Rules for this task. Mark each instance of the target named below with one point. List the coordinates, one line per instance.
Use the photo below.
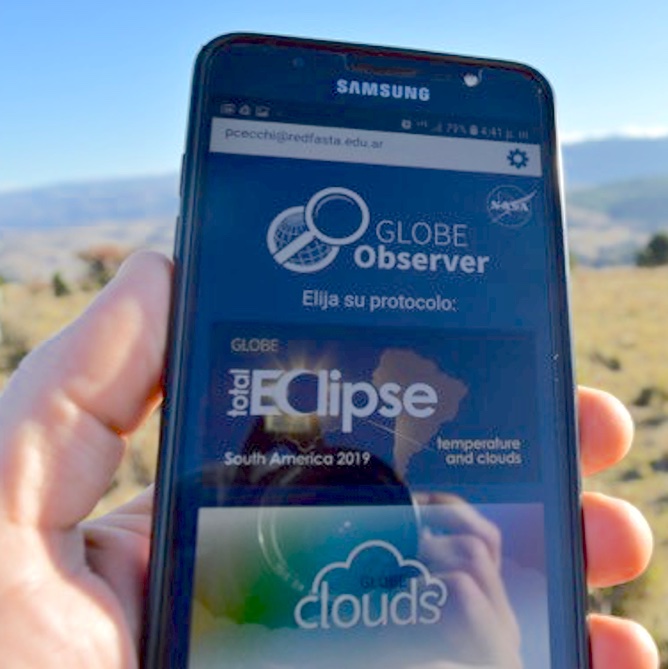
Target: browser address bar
(372, 147)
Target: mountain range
(615, 159)
(617, 197)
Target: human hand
(464, 549)
(71, 590)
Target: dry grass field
(621, 340)
(620, 323)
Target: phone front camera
(471, 79)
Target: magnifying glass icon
(317, 207)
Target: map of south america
(411, 436)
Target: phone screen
(372, 446)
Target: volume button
(178, 238)
(183, 171)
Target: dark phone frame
(163, 593)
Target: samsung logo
(376, 90)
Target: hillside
(604, 161)
(86, 203)
(617, 198)
(607, 224)
(35, 254)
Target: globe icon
(306, 239)
(288, 226)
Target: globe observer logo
(374, 587)
(307, 239)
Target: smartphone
(368, 451)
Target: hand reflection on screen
(463, 549)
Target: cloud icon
(375, 586)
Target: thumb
(66, 410)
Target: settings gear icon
(518, 158)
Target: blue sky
(93, 90)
